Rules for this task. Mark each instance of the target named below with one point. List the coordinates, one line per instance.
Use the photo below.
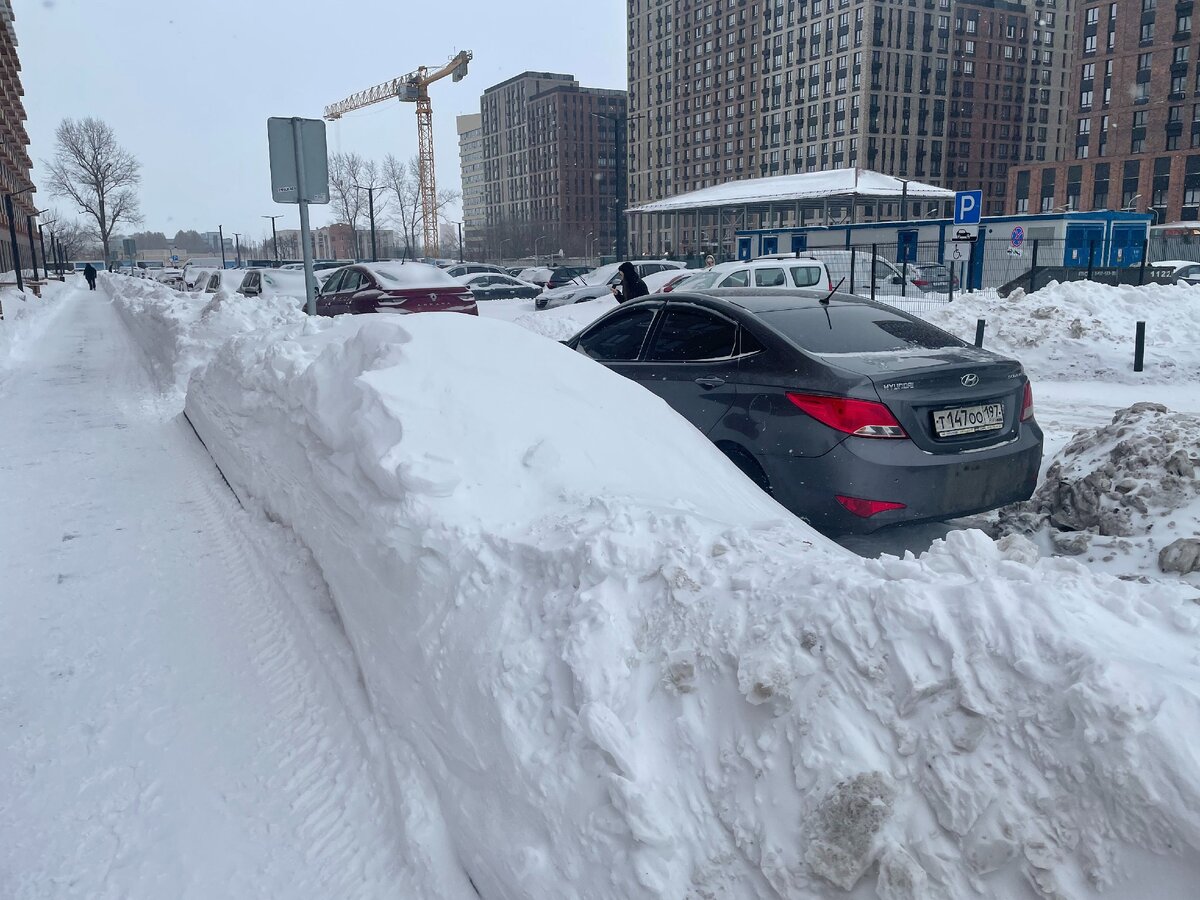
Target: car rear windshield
(855, 328)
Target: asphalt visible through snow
(180, 715)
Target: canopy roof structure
(853, 185)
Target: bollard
(1139, 347)
(980, 325)
(1033, 268)
(1091, 258)
(874, 267)
(952, 267)
(970, 275)
(1142, 276)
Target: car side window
(805, 276)
(769, 278)
(352, 281)
(620, 337)
(331, 286)
(740, 278)
(692, 335)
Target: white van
(768, 272)
(889, 276)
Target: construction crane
(413, 88)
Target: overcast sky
(188, 86)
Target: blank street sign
(285, 185)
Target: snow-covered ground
(598, 662)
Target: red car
(393, 287)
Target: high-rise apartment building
(470, 160)
(924, 89)
(14, 149)
(1134, 123)
(553, 174)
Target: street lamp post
(237, 243)
(460, 246)
(42, 242)
(32, 248)
(503, 241)
(221, 241)
(371, 189)
(12, 234)
(535, 248)
(618, 123)
(587, 245)
(274, 234)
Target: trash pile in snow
(1120, 491)
(630, 674)
(1081, 331)
(26, 316)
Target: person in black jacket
(89, 272)
(631, 286)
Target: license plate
(968, 419)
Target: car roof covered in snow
(410, 274)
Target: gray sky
(188, 86)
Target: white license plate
(968, 419)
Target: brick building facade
(15, 163)
(1134, 135)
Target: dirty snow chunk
(1080, 331)
(847, 821)
(1182, 556)
(1110, 491)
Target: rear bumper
(932, 486)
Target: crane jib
(413, 88)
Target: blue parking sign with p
(967, 207)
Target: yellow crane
(413, 88)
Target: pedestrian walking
(89, 272)
(631, 285)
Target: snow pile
(1080, 331)
(1121, 493)
(180, 331)
(630, 674)
(26, 318)
(563, 322)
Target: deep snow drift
(628, 673)
(26, 317)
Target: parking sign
(967, 207)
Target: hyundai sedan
(852, 414)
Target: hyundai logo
(970, 380)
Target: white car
(279, 283)
(599, 282)
(536, 274)
(772, 274)
(1185, 271)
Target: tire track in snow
(325, 747)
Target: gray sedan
(852, 414)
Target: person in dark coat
(89, 272)
(631, 286)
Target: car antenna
(825, 299)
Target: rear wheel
(744, 460)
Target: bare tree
(345, 171)
(91, 169)
(69, 235)
(403, 180)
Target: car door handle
(710, 381)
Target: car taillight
(920, 282)
(1027, 403)
(867, 508)
(863, 418)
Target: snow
(843, 183)
(597, 660)
(409, 275)
(26, 318)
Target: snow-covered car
(773, 274)
(536, 274)
(1185, 271)
(209, 281)
(599, 282)
(665, 281)
(460, 269)
(195, 265)
(393, 287)
(498, 286)
(278, 283)
(171, 276)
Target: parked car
(278, 283)
(599, 282)
(665, 281)
(852, 414)
(393, 287)
(930, 277)
(564, 275)
(514, 271)
(1185, 271)
(887, 275)
(213, 280)
(493, 286)
(536, 274)
(460, 269)
(775, 273)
